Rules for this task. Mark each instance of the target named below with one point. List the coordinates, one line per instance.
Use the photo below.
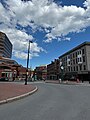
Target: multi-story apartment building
(71, 65)
(5, 46)
(76, 62)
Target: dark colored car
(4, 79)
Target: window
(73, 61)
(76, 54)
(68, 57)
(80, 67)
(76, 68)
(83, 51)
(84, 67)
(73, 55)
(80, 59)
(83, 58)
(76, 61)
(71, 69)
(80, 51)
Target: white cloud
(20, 54)
(62, 20)
(4, 15)
(19, 38)
(87, 3)
(38, 14)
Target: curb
(52, 82)
(68, 83)
(18, 97)
(64, 83)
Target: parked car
(4, 79)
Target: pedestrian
(59, 80)
(77, 80)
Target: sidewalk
(67, 82)
(52, 81)
(14, 91)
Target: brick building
(11, 69)
(53, 70)
(40, 72)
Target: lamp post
(62, 72)
(27, 62)
(61, 68)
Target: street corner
(18, 92)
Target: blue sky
(54, 26)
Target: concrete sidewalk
(13, 91)
(68, 82)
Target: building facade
(11, 69)
(5, 46)
(40, 72)
(74, 64)
(53, 70)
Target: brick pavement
(10, 90)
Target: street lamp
(27, 62)
(61, 68)
(62, 72)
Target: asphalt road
(50, 102)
